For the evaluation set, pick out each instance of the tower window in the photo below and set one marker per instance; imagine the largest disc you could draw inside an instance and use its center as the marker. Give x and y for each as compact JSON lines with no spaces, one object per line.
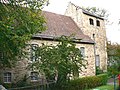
{"x":91,"y":21}
{"x":98,"y":23}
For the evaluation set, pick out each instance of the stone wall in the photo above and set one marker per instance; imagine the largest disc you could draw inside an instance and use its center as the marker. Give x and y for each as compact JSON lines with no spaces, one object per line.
{"x":17,"y":72}
{"x":89,"y":55}
{"x":21,"y":70}
{"x":97,"y":33}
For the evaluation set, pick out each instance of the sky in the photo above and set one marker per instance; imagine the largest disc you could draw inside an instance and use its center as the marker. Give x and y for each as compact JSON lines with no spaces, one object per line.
{"x":112,"y":7}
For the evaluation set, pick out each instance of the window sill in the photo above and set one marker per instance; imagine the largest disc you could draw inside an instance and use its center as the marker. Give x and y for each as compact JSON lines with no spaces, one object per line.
{"x":8,"y":82}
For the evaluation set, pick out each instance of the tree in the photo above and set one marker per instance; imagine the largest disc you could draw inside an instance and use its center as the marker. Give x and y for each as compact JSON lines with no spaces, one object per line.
{"x":19,"y":20}
{"x":61,"y":60}
{"x":113,"y":51}
{"x":97,"y":11}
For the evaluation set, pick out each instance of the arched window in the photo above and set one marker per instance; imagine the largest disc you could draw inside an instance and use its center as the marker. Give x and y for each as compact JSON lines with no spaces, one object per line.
{"x":7,"y":77}
{"x":98,"y":23}
{"x":91,"y":21}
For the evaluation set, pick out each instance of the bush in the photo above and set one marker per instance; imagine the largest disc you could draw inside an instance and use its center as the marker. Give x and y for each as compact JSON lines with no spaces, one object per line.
{"x":88,"y":82}
{"x":98,"y":71}
{"x":7,"y":85}
{"x":103,"y":78}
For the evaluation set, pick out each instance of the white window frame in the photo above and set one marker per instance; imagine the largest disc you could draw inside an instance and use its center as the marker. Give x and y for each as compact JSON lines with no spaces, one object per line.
{"x":7,"y":77}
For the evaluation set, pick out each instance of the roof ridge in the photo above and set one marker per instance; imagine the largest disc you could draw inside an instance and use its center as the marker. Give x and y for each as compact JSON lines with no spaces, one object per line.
{"x":86,"y":12}
{"x":55,"y":13}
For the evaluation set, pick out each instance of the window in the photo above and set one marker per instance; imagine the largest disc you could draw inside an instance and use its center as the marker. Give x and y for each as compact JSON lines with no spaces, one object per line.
{"x":34,"y":76}
{"x":7,"y":77}
{"x":91,"y":21}
{"x":82,"y":50}
{"x":98,"y":23}
{"x":93,"y":37}
{"x":33,"y":55}
{"x":97,"y":60}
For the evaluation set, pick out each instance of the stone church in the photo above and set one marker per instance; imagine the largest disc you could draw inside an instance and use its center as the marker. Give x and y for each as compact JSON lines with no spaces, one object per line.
{"x":90,"y":37}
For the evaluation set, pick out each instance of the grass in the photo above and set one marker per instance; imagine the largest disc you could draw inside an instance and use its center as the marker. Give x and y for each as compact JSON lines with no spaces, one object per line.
{"x":106,"y":87}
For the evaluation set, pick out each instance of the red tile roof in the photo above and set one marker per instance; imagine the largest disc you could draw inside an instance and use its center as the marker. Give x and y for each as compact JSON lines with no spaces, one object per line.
{"x":58,"y":25}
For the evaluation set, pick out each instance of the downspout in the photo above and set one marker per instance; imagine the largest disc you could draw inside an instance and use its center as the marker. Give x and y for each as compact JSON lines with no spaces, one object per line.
{"x":94,"y":51}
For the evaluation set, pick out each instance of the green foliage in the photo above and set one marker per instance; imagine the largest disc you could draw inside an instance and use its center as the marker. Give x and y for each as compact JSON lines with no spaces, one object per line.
{"x":104,"y":87}
{"x":98,"y":71}
{"x":98,"y":11}
{"x":19,"y":20}
{"x":88,"y":82}
{"x":113,"y":51}
{"x":21,"y":83}
{"x":7,"y":85}
{"x":103,"y":78}
{"x":59,"y":60}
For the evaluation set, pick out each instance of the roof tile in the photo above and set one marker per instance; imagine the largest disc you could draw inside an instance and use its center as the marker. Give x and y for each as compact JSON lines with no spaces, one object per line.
{"x":58,"y":25}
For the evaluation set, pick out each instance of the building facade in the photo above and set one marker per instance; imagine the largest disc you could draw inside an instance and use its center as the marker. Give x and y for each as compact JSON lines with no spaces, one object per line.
{"x":90,"y":37}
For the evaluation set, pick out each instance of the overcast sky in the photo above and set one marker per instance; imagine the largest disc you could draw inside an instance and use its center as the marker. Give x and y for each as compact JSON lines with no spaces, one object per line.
{"x":112,"y":6}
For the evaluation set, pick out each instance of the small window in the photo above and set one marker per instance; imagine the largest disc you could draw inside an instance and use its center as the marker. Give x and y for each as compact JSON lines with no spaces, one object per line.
{"x":82,"y":50}
{"x":97,"y":60}
{"x":98,"y":23}
{"x":91,"y":21}
{"x":93,"y":35}
{"x":34,"y":76}
{"x":33,"y":55}
{"x":7,"y":77}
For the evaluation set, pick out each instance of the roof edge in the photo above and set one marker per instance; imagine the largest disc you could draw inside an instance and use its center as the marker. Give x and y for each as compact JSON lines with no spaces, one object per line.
{"x":56,"y":39}
{"x":87,"y":12}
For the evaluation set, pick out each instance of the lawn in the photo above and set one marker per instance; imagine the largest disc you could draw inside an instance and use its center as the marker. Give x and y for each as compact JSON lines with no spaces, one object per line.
{"x":106,"y":87}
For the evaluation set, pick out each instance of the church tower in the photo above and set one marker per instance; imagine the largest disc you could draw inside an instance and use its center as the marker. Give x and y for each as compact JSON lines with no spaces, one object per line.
{"x":93,"y":26}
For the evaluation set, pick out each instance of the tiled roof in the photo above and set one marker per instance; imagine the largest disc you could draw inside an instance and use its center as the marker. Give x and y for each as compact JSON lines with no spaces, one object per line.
{"x":58,"y":25}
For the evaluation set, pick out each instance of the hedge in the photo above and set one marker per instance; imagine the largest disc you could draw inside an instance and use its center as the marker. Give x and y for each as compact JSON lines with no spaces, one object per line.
{"x":87,"y":82}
